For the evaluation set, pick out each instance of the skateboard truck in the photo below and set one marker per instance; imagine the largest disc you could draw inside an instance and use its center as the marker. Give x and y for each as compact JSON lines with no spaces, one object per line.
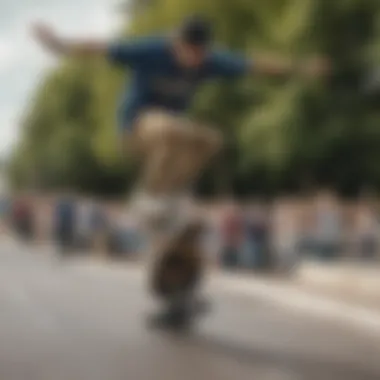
{"x":177,"y":270}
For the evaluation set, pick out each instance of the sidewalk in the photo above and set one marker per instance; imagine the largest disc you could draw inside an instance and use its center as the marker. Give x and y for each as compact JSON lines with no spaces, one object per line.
{"x":352,"y":282}
{"x":360,"y":313}
{"x":349,"y":283}
{"x":302,"y":293}
{"x":288,"y":294}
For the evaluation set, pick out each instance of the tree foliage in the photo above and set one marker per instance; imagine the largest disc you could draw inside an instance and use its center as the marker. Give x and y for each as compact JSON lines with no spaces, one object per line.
{"x":281,"y":134}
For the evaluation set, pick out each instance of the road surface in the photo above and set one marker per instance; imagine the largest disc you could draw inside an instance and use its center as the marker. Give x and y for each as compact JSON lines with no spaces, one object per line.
{"x":85,"y":321}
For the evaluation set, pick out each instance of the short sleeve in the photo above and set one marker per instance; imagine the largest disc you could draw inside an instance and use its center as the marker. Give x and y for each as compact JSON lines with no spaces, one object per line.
{"x":130,"y":53}
{"x":228,"y":65}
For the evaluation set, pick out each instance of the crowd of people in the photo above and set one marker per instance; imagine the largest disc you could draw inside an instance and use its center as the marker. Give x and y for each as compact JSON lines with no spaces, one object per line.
{"x":75,"y":224}
{"x":250,"y":235}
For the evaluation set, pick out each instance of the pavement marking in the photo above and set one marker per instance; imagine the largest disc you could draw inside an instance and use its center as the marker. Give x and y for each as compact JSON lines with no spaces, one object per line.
{"x":322,"y":306}
{"x":23,"y":300}
{"x":282,"y":294}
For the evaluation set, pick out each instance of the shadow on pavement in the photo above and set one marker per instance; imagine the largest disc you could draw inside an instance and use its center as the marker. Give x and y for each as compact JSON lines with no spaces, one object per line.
{"x":301,"y":365}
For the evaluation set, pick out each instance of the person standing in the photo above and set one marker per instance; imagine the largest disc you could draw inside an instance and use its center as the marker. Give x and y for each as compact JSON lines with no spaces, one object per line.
{"x":65,"y":218}
{"x":99,"y":228}
{"x":232,"y":233}
{"x":166,"y":73}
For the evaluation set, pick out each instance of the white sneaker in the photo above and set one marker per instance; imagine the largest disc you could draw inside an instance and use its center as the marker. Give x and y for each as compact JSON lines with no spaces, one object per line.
{"x":165,"y":214}
{"x":148,"y":206}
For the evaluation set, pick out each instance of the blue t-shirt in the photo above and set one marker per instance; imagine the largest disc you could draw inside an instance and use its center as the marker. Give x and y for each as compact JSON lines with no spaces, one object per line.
{"x":158,"y":81}
{"x":65,"y":213}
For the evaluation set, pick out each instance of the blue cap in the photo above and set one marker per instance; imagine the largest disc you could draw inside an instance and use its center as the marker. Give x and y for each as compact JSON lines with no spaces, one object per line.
{"x":196,"y":30}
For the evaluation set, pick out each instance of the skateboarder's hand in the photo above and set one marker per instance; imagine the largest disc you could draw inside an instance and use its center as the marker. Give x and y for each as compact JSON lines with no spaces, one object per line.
{"x":48,"y":38}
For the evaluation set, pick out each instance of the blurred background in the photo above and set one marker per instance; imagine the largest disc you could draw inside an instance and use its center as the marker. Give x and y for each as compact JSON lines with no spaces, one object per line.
{"x":300,"y":168}
{"x":291,"y":206}
{"x":284,"y":136}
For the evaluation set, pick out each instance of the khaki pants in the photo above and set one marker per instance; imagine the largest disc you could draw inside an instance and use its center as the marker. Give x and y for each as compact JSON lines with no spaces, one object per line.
{"x":173,"y":150}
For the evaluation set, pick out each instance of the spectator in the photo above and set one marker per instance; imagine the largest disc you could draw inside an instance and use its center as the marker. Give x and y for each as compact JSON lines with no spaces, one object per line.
{"x":65,"y":219}
{"x":5,"y":210}
{"x":99,"y":228}
{"x":133,"y":239}
{"x":254,"y":241}
{"x":211,"y":239}
{"x":232,"y":234}
{"x":306,"y":244}
{"x":83,"y":225}
{"x":328,"y":226}
{"x":125,"y":235}
{"x":41,"y":217}
{"x":23,"y":217}
{"x":285,"y":234}
{"x":367,"y":231}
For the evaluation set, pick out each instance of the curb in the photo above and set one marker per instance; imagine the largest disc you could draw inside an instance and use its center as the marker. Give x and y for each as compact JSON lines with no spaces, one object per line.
{"x":279,"y":293}
{"x":352,"y":279}
{"x":364,"y":318}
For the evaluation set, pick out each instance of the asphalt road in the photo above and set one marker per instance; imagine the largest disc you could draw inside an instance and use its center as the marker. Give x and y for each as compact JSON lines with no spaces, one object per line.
{"x":83,"y":321}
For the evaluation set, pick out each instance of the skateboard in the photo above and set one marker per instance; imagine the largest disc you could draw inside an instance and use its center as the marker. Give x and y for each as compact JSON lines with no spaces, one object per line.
{"x":175,"y":279}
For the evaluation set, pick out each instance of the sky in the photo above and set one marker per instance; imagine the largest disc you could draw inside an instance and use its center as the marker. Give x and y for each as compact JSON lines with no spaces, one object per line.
{"x":23,"y":63}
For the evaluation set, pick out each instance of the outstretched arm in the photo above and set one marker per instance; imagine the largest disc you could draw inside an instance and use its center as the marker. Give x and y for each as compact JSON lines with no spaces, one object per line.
{"x":126,"y":53}
{"x":275,"y":66}
{"x":61,"y":46}
{"x":229,"y":65}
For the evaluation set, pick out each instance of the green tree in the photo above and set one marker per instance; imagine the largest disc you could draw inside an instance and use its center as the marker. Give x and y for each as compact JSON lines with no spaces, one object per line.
{"x":280,"y":133}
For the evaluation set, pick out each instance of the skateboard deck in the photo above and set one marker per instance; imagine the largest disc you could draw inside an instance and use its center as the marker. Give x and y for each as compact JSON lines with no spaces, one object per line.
{"x":176,"y":277}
